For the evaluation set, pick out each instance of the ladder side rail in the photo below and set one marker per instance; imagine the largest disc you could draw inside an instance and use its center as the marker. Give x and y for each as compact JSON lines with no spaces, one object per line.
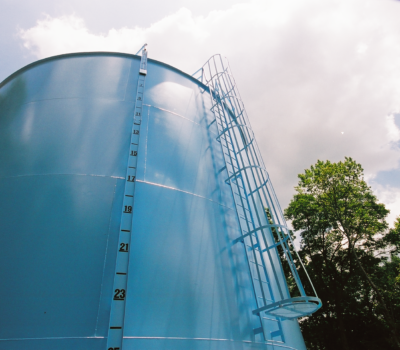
{"x":242,"y":204}
{"x":242,"y":116}
{"x":278,"y":209}
{"x":286,"y":251}
{"x":262,"y":323}
{"x":274,"y":201}
{"x":245,"y":116}
{"x":267,"y":245}
{"x":255,"y":161}
{"x":206,"y":80}
{"x":266,"y":195}
{"x":247,"y":130}
{"x":258,"y":242}
{"x":245,"y":250}
{"x":280,"y":218}
{"x":242,"y":230}
{"x":210,"y":81}
{"x":284,"y":244}
{"x":236,"y":175}
{"x":257,"y":153}
{"x":251,"y":269}
{"x":248,"y":242}
{"x":249,"y":137}
{"x":259,"y":222}
{"x":238,"y":105}
{"x":232,"y":78}
{"x":260,"y":198}
{"x":258,"y":219}
{"x":294,"y":269}
{"x":272,"y":295}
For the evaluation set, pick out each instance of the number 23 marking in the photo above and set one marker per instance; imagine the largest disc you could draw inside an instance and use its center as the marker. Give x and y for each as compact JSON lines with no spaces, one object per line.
{"x":119,"y":294}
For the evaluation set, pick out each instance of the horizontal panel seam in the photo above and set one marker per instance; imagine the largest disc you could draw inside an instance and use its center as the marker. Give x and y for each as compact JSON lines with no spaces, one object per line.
{"x":51,"y":338}
{"x":58,"y":174}
{"x":176,"y":189}
{"x":67,"y":98}
{"x":216,"y":339}
{"x":166,"y":110}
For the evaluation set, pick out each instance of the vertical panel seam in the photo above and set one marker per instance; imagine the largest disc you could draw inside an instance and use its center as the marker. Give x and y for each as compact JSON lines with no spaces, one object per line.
{"x":127,"y":80}
{"x":105,"y":258}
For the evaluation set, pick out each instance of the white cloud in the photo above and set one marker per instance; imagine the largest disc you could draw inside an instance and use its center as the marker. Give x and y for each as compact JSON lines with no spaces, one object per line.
{"x":54,"y":36}
{"x":318,"y":77}
{"x":390,"y":196}
{"x":361,"y":48}
{"x":392,"y":129}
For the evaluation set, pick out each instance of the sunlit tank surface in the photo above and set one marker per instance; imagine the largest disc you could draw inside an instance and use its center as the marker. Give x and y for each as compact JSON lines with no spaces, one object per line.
{"x":65,"y":133}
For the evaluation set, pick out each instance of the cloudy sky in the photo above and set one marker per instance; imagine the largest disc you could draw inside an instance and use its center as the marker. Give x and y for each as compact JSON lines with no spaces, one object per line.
{"x":320,"y":79}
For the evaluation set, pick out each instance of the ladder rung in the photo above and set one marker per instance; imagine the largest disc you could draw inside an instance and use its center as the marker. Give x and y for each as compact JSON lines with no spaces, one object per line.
{"x":277,"y":333}
{"x":257,"y":279}
{"x":256,"y":264}
{"x":258,"y":330}
{"x":222,"y":169}
{"x":214,"y":120}
{"x":267,"y":318}
{"x":241,"y":206}
{"x":266,"y":282}
{"x":255,"y":246}
{"x":246,"y":221}
{"x":231,"y":156}
{"x":244,"y":198}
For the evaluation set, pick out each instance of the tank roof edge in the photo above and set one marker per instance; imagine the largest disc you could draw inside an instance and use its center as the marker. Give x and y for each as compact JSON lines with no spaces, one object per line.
{"x":94,"y":53}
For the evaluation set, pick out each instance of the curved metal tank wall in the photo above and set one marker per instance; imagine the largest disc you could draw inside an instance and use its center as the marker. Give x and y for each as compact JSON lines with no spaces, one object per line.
{"x":65,"y":126}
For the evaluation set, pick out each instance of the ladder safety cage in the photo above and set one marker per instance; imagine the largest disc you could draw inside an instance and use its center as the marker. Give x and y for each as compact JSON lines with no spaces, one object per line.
{"x":264,"y":232}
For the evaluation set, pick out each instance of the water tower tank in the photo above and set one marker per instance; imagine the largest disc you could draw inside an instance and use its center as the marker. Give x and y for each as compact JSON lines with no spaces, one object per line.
{"x":136,"y":212}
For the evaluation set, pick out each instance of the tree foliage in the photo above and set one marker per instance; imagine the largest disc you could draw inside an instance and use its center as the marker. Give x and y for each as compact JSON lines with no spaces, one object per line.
{"x":351,"y":257}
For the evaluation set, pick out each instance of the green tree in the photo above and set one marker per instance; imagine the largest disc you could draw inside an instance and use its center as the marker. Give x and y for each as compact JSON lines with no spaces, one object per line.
{"x":345,"y":245}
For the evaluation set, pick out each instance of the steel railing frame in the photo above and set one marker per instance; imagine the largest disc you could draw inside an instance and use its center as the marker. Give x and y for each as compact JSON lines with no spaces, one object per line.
{"x":255,"y":195}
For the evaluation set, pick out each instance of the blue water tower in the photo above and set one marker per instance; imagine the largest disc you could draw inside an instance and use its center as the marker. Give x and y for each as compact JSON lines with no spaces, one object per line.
{"x":136,"y":212}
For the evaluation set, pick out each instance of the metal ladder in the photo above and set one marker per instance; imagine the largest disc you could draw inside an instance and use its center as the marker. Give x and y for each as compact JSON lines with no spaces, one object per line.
{"x":117,"y":315}
{"x":257,"y":265}
{"x":264,"y":232}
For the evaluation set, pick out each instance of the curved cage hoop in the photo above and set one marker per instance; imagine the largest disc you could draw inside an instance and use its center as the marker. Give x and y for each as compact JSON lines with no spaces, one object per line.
{"x":292,"y":308}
